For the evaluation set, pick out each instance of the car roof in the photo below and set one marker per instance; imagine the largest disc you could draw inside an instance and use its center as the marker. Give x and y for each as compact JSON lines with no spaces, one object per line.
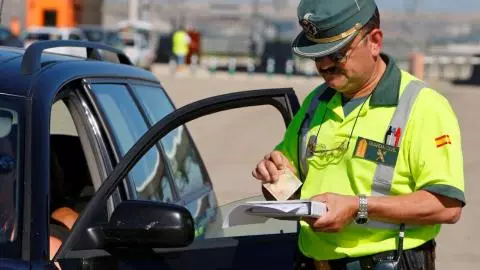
{"x":56,"y":70}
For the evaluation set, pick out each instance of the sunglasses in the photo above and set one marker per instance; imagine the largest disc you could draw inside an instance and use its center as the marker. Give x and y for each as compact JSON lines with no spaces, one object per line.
{"x":341,"y":56}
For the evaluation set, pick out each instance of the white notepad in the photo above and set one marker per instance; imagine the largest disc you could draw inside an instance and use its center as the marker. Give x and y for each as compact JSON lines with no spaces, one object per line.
{"x":260,"y":211}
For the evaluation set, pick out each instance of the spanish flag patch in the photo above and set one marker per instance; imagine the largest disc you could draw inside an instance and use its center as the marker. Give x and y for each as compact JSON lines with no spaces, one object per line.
{"x":443,"y":140}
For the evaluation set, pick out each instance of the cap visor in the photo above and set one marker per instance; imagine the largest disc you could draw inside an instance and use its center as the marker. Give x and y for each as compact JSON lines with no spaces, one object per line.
{"x":303,"y":47}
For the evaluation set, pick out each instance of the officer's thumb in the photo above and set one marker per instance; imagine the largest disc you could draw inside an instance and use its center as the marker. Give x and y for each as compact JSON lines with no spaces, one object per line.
{"x":319,"y":198}
{"x":287,"y":165}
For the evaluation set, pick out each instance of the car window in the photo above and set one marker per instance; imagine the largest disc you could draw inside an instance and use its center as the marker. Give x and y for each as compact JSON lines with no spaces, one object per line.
{"x":4,"y":34}
{"x":61,"y":121}
{"x":143,"y":43}
{"x":74,"y":37}
{"x":129,"y":42}
{"x":149,"y":175}
{"x":38,"y":36}
{"x":113,"y":38}
{"x":228,"y":148}
{"x":182,"y":156}
{"x":94,"y":35}
{"x":9,"y":174}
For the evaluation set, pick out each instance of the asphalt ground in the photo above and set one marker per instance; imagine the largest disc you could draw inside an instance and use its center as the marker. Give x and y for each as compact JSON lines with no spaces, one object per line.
{"x":232,"y":142}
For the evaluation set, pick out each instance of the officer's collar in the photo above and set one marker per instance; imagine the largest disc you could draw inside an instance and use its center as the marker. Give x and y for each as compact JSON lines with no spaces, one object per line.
{"x":387,"y":91}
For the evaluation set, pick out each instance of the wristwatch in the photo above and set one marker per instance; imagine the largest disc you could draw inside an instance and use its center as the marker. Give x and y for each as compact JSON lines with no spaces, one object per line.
{"x":362,"y":214}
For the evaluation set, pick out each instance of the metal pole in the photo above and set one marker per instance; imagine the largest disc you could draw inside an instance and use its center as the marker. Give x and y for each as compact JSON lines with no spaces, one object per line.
{"x":254,"y":16}
{"x":133,"y":10}
{"x":146,"y":7}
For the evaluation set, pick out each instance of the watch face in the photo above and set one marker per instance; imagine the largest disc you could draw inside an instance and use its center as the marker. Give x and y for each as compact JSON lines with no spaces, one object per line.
{"x":361,"y":220}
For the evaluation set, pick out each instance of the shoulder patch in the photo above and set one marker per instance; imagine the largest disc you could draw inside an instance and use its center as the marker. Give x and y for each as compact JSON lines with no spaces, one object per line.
{"x":442,"y":140}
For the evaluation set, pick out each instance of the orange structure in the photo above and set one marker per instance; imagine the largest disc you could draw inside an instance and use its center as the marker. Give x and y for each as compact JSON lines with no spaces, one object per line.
{"x":59,"y":13}
{"x":15,"y":26}
{"x":417,"y":64}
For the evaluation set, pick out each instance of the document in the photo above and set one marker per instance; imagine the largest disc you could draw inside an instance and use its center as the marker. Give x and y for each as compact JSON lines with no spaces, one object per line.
{"x":287,"y":184}
{"x":260,"y":211}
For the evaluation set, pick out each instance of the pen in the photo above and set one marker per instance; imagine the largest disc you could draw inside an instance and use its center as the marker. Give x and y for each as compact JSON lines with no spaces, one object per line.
{"x":391,"y":141}
{"x":388,"y":134}
{"x":398,"y":133}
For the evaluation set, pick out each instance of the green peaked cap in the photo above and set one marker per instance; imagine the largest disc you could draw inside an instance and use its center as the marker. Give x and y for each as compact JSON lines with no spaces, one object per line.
{"x":329,"y":25}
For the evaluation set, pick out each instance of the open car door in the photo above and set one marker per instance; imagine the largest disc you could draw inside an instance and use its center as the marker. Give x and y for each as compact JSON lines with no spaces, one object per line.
{"x":128,"y":240}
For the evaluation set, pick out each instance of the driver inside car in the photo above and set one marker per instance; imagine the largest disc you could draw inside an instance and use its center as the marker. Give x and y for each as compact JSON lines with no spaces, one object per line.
{"x":63,"y":214}
{"x":70,"y":187}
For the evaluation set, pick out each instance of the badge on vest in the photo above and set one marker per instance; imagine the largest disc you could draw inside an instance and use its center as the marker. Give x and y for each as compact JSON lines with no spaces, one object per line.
{"x":376,"y":152}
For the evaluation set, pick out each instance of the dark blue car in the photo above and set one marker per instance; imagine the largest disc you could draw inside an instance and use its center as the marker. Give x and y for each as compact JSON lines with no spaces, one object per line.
{"x":105,"y":140}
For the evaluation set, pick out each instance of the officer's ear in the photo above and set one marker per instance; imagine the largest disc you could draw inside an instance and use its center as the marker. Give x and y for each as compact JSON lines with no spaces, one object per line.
{"x":375,"y":41}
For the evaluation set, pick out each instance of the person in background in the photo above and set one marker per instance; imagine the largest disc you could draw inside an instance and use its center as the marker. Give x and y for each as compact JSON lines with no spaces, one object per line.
{"x":181,"y":42}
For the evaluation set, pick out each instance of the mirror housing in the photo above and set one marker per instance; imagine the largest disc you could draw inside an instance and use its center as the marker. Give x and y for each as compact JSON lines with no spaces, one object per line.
{"x":145,"y":224}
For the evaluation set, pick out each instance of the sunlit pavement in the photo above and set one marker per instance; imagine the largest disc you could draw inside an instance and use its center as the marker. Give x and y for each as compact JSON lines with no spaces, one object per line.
{"x":232,"y":143}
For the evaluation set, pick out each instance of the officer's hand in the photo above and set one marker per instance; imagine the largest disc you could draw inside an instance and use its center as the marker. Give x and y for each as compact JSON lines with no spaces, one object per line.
{"x":341,"y":211}
{"x":268,"y":169}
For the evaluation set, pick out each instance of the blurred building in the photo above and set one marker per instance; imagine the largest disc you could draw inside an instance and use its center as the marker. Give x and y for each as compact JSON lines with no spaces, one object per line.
{"x":237,"y":27}
{"x":231,"y":27}
{"x":65,"y":13}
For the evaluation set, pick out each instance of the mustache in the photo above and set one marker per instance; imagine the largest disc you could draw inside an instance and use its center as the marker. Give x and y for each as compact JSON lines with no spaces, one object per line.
{"x":331,"y":70}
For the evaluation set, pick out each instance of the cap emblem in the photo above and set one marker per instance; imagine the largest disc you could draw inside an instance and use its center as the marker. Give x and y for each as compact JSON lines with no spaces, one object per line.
{"x":308,"y":26}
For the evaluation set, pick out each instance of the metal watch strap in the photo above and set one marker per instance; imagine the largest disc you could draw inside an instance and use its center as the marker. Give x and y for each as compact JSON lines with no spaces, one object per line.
{"x":362,"y":206}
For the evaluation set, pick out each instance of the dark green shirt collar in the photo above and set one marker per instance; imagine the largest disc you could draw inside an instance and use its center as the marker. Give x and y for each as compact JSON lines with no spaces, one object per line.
{"x":387,"y":91}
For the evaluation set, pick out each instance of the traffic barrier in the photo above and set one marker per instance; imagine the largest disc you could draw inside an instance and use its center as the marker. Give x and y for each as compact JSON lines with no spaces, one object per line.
{"x":250,"y":66}
{"x":172,"y":66}
{"x":310,"y":69}
{"x":212,"y":65}
{"x":441,"y":66}
{"x":270,"y":66}
{"x":232,"y":65}
{"x":289,"y":68}
{"x":194,"y":64}
{"x":450,"y":67}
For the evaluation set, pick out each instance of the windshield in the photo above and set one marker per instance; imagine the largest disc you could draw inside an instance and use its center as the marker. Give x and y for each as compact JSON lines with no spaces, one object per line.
{"x":94,"y":35}
{"x":9,"y":141}
{"x":113,"y":39}
{"x":42,"y":36}
{"x":128,"y":42}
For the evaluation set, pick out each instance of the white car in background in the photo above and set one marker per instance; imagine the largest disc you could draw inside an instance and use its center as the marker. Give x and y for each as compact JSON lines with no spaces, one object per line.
{"x":138,"y":49}
{"x":56,"y":33}
{"x":140,"y":42}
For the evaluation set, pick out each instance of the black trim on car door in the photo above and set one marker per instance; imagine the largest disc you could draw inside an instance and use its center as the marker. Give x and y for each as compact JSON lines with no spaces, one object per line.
{"x":284,"y":100}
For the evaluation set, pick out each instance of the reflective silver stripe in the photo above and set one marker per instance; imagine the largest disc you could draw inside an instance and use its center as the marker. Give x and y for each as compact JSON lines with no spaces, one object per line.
{"x":382,"y":180}
{"x":302,"y":147}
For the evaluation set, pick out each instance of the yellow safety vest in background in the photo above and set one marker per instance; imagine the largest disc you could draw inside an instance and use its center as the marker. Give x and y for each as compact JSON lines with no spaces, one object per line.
{"x":180,"y":43}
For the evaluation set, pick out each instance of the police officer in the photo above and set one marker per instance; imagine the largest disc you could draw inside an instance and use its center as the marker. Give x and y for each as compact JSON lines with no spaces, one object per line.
{"x":374,"y":143}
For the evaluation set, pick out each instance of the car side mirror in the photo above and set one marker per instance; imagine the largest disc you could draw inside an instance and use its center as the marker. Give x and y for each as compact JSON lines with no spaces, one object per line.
{"x":145,"y":224}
